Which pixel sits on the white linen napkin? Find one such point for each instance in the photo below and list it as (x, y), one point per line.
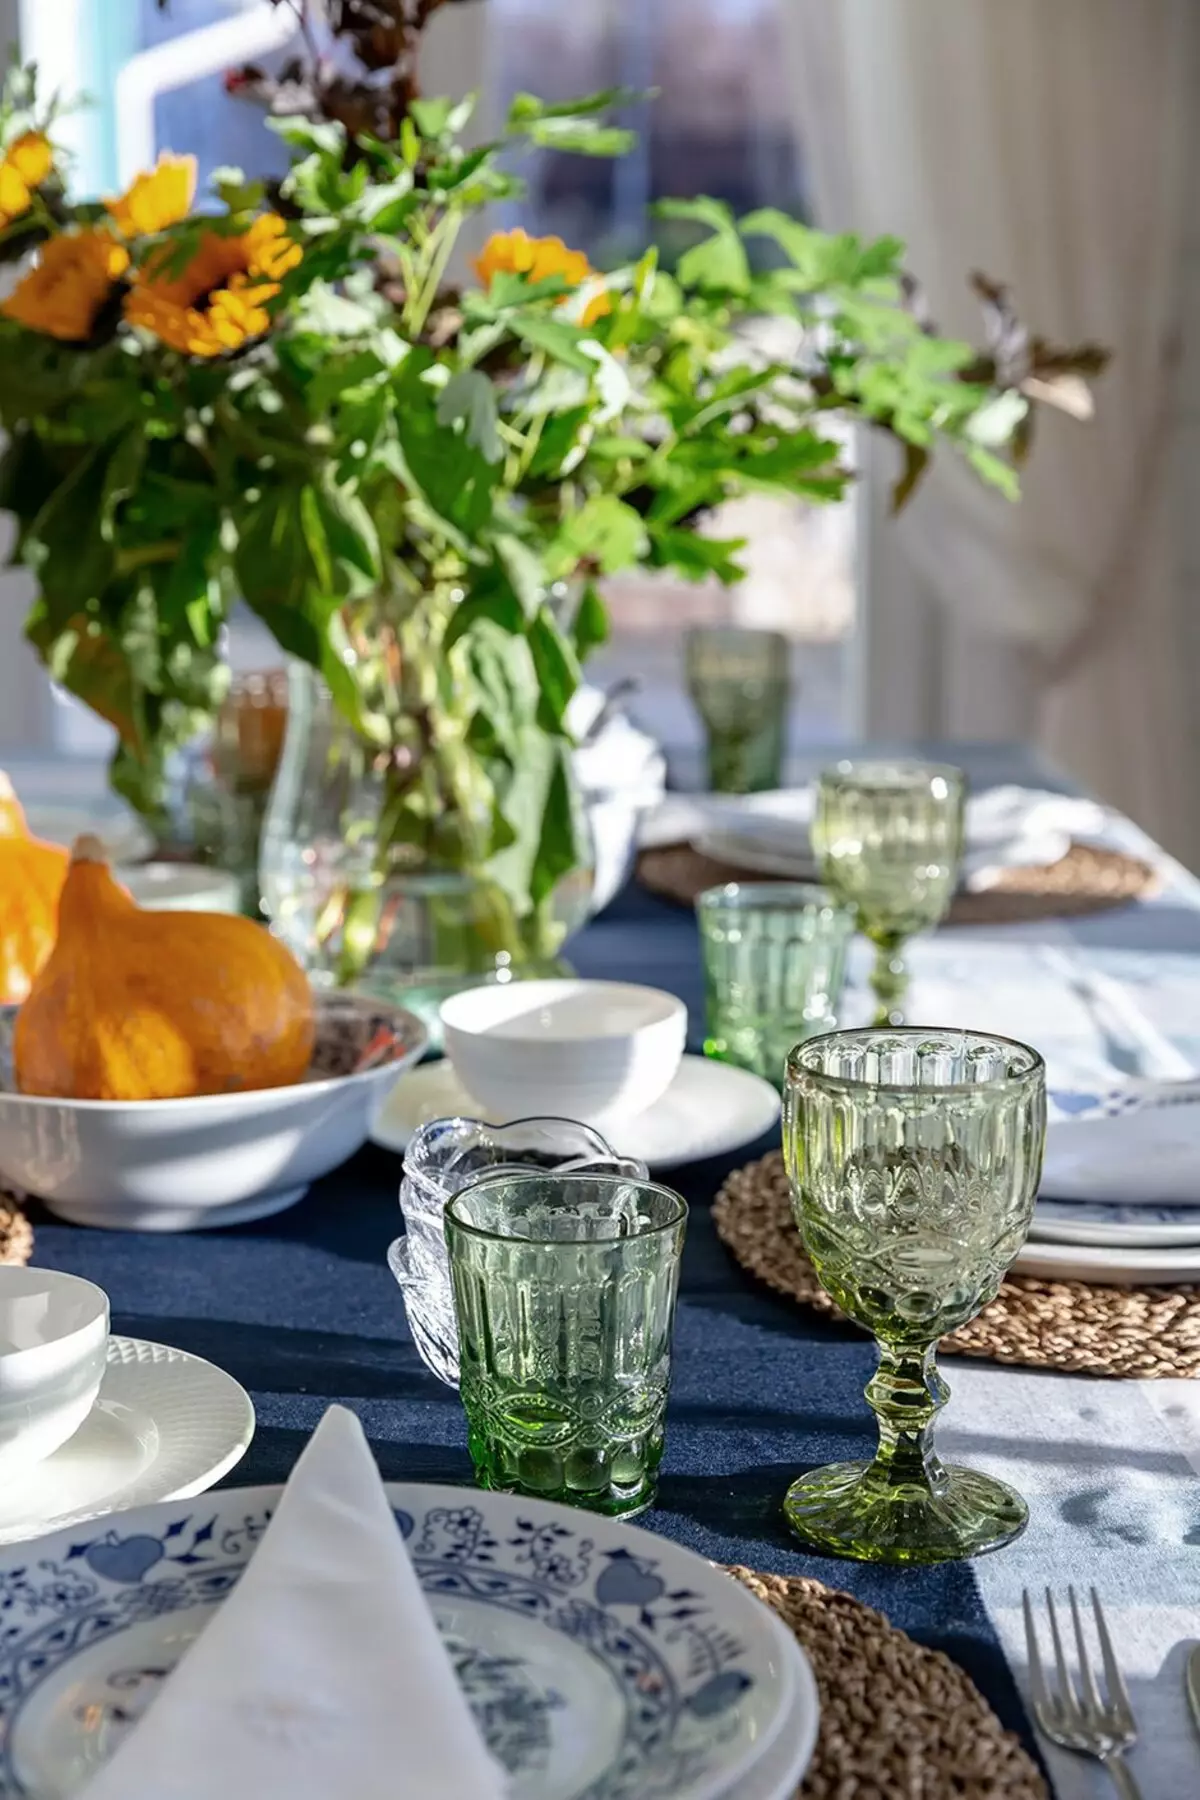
(323, 1673)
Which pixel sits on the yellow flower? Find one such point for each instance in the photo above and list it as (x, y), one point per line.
(63, 293)
(516, 253)
(156, 198)
(27, 162)
(31, 156)
(220, 299)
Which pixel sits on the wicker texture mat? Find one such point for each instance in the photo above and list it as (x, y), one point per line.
(898, 1722)
(1120, 1331)
(16, 1233)
(1085, 880)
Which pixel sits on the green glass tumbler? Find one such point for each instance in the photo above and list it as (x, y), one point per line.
(914, 1158)
(739, 680)
(889, 837)
(774, 955)
(564, 1289)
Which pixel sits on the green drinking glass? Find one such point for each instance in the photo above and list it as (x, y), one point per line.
(889, 836)
(564, 1288)
(774, 956)
(739, 680)
(914, 1158)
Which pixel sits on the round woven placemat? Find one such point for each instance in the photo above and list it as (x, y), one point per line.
(16, 1233)
(1085, 880)
(898, 1722)
(1125, 1331)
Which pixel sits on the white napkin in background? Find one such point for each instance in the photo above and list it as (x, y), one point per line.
(1006, 828)
(322, 1676)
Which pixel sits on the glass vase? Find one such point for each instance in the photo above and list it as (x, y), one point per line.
(358, 905)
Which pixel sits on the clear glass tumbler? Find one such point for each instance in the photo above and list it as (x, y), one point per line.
(914, 1159)
(739, 680)
(443, 1157)
(889, 836)
(774, 955)
(564, 1287)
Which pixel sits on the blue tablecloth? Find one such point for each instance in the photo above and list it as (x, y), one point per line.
(303, 1311)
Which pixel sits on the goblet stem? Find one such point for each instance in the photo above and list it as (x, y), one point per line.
(906, 1393)
(889, 978)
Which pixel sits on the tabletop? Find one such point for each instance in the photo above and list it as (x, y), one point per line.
(302, 1309)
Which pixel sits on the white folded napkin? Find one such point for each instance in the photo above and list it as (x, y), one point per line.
(322, 1677)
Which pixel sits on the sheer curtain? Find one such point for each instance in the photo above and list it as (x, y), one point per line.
(1049, 145)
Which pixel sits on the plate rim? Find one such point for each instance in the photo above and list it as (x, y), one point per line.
(799, 1710)
(14, 1535)
(392, 1141)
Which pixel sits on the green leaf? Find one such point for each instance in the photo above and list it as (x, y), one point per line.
(590, 626)
(700, 211)
(581, 136)
(493, 602)
(697, 557)
(557, 670)
(719, 263)
(68, 543)
(606, 531)
(470, 398)
(562, 341)
(524, 569)
(454, 476)
(525, 107)
(994, 471)
(322, 135)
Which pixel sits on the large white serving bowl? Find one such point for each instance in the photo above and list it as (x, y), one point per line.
(596, 1051)
(218, 1159)
(53, 1346)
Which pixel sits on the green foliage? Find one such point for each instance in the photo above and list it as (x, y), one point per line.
(393, 477)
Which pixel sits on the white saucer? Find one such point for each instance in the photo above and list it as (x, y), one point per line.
(1137, 1227)
(709, 1109)
(165, 1425)
(1110, 1264)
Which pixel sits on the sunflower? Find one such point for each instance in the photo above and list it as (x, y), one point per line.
(65, 290)
(156, 198)
(220, 298)
(516, 253)
(26, 164)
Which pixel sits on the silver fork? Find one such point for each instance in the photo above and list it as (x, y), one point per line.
(1089, 1726)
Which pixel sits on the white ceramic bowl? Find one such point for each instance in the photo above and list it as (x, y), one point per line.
(219, 1159)
(589, 1050)
(53, 1344)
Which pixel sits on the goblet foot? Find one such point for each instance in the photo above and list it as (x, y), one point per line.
(857, 1509)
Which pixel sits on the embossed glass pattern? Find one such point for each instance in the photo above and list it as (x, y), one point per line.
(914, 1158)
(889, 837)
(739, 680)
(774, 963)
(564, 1288)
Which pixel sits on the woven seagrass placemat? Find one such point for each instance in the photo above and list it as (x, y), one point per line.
(1070, 1325)
(16, 1233)
(898, 1722)
(1085, 880)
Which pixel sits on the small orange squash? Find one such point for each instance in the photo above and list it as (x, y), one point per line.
(31, 879)
(139, 1005)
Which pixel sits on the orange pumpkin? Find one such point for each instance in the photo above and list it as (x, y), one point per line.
(31, 879)
(139, 1005)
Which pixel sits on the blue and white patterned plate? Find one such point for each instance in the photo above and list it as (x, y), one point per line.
(603, 1663)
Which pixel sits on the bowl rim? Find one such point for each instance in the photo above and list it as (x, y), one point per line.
(673, 1009)
(65, 1279)
(419, 1035)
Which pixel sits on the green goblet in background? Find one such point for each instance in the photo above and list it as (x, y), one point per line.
(889, 837)
(914, 1158)
(739, 679)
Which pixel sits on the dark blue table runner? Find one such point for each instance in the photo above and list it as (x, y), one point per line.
(303, 1311)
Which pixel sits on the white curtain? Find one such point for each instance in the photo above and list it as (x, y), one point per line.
(1047, 144)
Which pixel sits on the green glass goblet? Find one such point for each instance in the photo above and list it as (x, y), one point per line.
(740, 683)
(889, 837)
(564, 1289)
(914, 1158)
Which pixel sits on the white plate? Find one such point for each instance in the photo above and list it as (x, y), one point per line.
(1137, 1227)
(165, 1425)
(709, 1109)
(124, 836)
(600, 1659)
(1108, 1264)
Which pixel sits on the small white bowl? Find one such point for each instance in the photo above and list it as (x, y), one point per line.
(218, 1159)
(53, 1343)
(595, 1051)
